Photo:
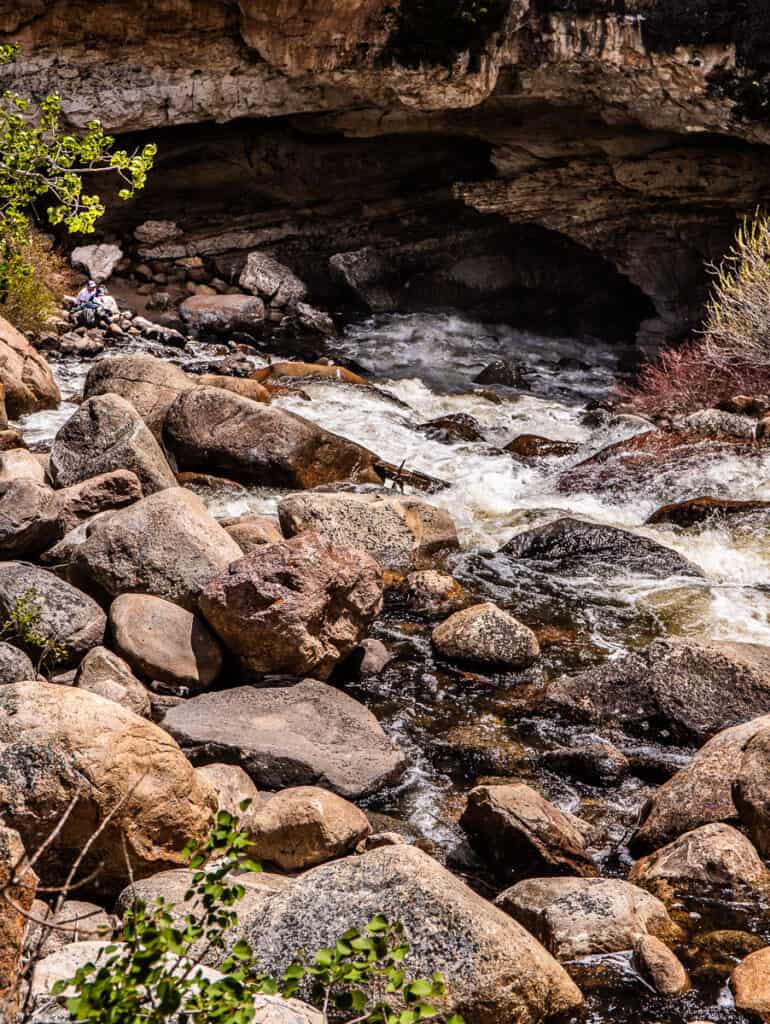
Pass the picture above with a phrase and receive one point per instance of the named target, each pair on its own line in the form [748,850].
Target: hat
[92,284]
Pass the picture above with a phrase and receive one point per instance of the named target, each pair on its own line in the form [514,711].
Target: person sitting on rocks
[86,293]
[106,302]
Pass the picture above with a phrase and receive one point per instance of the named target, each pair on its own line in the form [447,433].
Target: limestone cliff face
[634,129]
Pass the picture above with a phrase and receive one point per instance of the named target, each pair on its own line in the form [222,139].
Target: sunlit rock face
[632,130]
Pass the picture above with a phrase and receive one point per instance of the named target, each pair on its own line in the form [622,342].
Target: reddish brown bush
[686,379]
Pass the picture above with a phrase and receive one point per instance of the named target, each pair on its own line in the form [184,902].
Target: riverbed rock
[29,518]
[655,960]
[496,973]
[209,428]
[368,275]
[232,787]
[304,826]
[454,427]
[486,635]
[751,789]
[25,375]
[221,314]
[698,510]
[252,531]
[101,493]
[242,386]
[164,642]
[66,616]
[712,855]
[20,464]
[400,533]
[598,762]
[673,689]
[297,607]
[55,740]
[434,594]
[700,793]
[576,547]
[166,545]
[299,370]
[750,982]
[148,383]
[13,911]
[105,673]
[98,261]
[719,423]
[273,734]
[576,917]
[533,446]
[15,665]
[520,833]
[503,372]
[272,281]
[714,955]
[107,433]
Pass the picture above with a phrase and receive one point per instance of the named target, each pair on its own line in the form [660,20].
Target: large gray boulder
[575,917]
[210,429]
[29,518]
[107,433]
[301,735]
[65,616]
[401,533]
[676,688]
[148,383]
[496,972]
[220,314]
[59,741]
[167,545]
[571,546]
[297,607]
[98,261]
[15,665]
[273,282]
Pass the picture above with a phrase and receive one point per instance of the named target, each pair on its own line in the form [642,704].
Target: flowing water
[458,727]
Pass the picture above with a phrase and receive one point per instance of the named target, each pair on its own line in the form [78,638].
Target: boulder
[13,911]
[486,635]
[222,314]
[65,616]
[712,855]
[700,793]
[238,385]
[698,510]
[75,921]
[273,734]
[532,446]
[29,518]
[304,826]
[503,372]
[252,531]
[297,370]
[719,423]
[273,282]
[750,982]
[673,689]
[104,673]
[656,961]
[212,429]
[104,434]
[520,833]
[98,261]
[751,789]
[20,464]
[164,642]
[56,741]
[496,973]
[15,666]
[102,493]
[434,594]
[25,375]
[166,545]
[152,232]
[576,917]
[314,320]
[713,955]
[148,383]
[232,786]
[297,607]
[368,275]
[400,533]
[575,547]
[450,429]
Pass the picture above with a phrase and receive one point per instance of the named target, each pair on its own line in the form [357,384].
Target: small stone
[655,959]
[486,635]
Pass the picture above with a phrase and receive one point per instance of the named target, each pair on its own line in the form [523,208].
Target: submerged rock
[532,446]
[486,635]
[576,917]
[503,372]
[576,547]
[298,607]
[496,973]
[400,533]
[698,510]
[674,689]
[452,428]
[300,735]
[520,833]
